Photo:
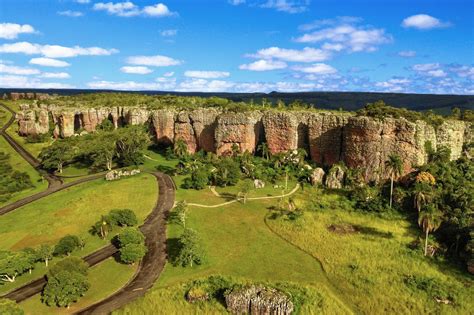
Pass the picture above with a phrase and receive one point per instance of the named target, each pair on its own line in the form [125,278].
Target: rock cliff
[329,137]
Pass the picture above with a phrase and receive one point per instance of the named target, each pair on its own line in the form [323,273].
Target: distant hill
[327,100]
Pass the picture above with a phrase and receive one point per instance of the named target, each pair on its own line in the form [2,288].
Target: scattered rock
[342,228]
[335,177]
[317,176]
[258,300]
[259,183]
[114,175]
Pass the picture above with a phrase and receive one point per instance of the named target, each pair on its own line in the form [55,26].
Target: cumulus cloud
[155,61]
[54,75]
[344,33]
[424,22]
[429,69]
[5,68]
[236,2]
[128,9]
[136,70]
[83,1]
[49,62]
[264,65]
[407,53]
[317,68]
[54,51]
[288,6]
[168,33]
[394,85]
[12,30]
[16,81]
[306,54]
[70,13]
[206,74]
[168,74]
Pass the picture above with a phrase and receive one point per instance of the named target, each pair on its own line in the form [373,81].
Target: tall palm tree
[429,219]
[422,194]
[393,166]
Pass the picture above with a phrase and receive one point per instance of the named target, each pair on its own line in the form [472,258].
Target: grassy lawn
[18,163]
[239,244]
[105,279]
[370,266]
[73,211]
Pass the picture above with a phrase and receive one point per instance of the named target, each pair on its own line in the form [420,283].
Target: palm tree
[429,219]
[264,150]
[180,149]
[393,166]
[422,194]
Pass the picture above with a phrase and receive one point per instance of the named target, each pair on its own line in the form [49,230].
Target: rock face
[335,178]
[258,300]
[359,142]
[317,176]
[28,96]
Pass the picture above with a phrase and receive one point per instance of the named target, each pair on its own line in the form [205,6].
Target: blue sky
[421,46]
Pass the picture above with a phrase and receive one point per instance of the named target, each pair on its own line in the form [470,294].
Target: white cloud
[54,51]
[70,13]
[407,53]
[155,61]
[202,85]
[136,70]
[83,1]
[327,22]
[394,85]
[157,10]
[15,81]
[54,75]
[426,67]
[12,30]
[128,9]
[168,33]
[236,2]
[4,68]
[49,62]
[206,74]
[436,73]
[168,74]
[307,54]
[288,6]
[345,33]
[423,22]
[317,68]
[264,65]
[462,71]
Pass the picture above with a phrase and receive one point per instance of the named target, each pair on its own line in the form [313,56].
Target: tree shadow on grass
[172,249]
[228,196]
[166,169]
[372,231]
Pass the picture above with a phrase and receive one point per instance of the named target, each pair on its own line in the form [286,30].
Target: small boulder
[259,183]
[317,176]
[112,175]
[335,177]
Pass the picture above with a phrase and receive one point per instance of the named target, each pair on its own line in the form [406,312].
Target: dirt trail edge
[154,261]
[149,269]
[53,181]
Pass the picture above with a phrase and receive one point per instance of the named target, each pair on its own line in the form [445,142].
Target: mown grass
[73,211]
[370,267]
[104,279]
[237,243]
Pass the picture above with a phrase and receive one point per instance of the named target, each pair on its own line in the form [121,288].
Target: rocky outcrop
[26,96]
[359,142]
[281,131]
[335,178]
[241,129]
[258,300]
[317,176]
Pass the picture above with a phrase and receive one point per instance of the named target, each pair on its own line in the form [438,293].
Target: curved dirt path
[154,229]
[250,198]
[53,180]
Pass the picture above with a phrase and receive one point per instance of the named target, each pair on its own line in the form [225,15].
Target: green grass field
[105,279]
[73,211]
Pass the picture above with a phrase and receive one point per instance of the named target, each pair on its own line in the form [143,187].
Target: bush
[67,245]
[132,253]
[130,236]
[123,217]
[9,307]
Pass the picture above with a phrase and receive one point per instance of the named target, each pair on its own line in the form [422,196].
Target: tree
[394,167]
[67,245]
[422,194]
[13,264]
[30,256]
[60,152]
[131,141]
[102,227]
[9,307]
[123,217]
[429,219]
[199,179]
[245,190]
[189,251]
[180,149]
[69,264]
[227,172]
[264,150]
[181,213]
[65,288]
[45,253]
[130,236]
[103,151]
[132,253]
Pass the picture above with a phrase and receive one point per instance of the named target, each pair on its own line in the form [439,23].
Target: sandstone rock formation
[335,177]
[317,176]
[258,300]
[359,142]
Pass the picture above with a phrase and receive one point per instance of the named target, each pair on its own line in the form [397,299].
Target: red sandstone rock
[281,131]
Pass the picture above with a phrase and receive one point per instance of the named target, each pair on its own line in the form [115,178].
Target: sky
[406,46]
